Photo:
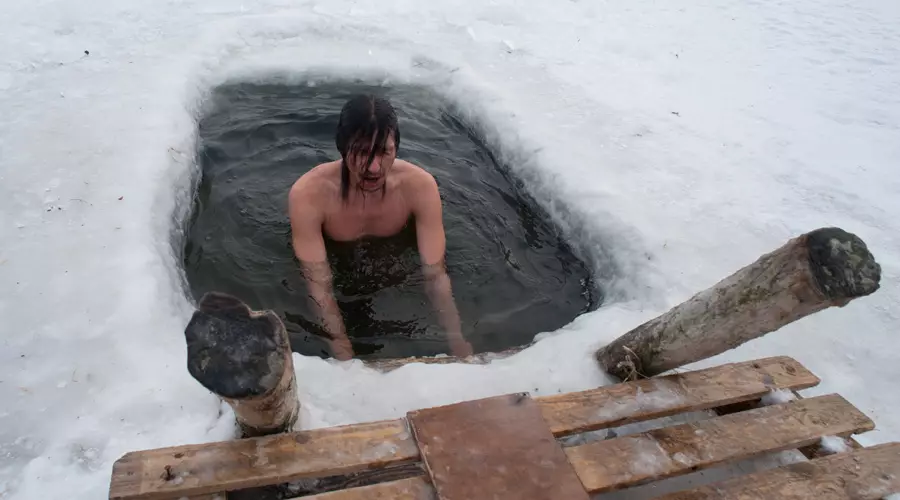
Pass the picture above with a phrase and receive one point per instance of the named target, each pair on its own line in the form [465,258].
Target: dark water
[513,275]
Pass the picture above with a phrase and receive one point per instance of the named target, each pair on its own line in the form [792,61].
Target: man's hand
[459,346]
[342,349]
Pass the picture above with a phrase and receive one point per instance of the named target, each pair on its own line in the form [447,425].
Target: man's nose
[375,166]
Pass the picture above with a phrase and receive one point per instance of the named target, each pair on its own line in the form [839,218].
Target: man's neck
[358,197]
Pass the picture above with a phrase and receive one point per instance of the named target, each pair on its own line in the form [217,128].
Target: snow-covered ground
[679,140]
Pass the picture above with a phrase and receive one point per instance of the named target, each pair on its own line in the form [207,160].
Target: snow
[835,444]
[677,142]
[777,396]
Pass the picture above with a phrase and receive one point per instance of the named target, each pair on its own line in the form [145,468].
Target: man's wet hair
[365,124]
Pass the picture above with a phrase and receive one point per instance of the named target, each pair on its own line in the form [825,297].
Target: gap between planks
[193,470]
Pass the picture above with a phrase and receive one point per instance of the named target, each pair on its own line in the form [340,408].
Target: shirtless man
[369,192]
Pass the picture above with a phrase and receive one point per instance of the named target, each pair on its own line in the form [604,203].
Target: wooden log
[244,357]
[865,474]
[826,267]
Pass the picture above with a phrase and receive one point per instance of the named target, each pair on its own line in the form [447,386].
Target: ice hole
[513,273]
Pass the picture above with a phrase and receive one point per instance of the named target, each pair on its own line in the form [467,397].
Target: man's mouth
[370,182]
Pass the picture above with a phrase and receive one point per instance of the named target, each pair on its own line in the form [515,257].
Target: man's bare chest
[348,223]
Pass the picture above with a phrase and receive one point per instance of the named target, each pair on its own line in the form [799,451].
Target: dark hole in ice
[513,273]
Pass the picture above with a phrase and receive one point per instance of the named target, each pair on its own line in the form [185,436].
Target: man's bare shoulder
[414,179]
[318,185]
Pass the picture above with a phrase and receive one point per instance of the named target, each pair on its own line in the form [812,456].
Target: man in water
[369,192]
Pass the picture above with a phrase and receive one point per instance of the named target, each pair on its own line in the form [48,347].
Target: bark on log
[244,357]
[826,267]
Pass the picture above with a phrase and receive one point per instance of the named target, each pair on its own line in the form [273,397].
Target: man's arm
[432,245]
[309,247]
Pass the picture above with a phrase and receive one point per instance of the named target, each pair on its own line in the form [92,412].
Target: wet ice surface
[678,142]
[513,273]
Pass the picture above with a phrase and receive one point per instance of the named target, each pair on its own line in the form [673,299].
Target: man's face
[371,176]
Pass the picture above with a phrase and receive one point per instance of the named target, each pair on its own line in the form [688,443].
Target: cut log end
[244,357]
[233,351]
[842,264]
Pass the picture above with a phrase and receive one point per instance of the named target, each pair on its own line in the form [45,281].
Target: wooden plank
[493,448]
[413,488]
[620,404]
[865,474]
[215,467]
[325,484]
[140,474]
[812,451]
[670,451]
[816,450]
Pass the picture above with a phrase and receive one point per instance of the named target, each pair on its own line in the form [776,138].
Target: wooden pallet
[506,447]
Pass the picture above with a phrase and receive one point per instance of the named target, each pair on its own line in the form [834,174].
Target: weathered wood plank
[493,448]
[325,484]
[414,488]
[670,451]
[215,467]
[565,414]
[816,450]
[620,404]
[865,474]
